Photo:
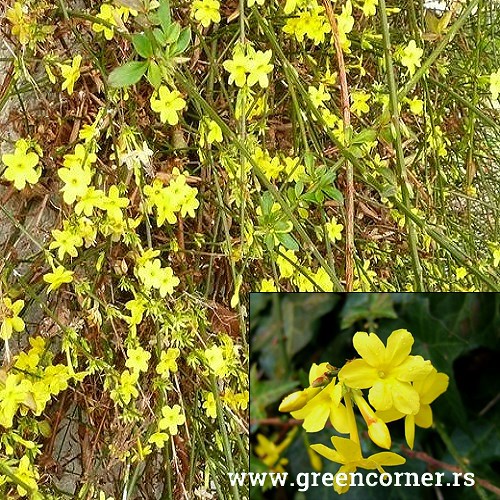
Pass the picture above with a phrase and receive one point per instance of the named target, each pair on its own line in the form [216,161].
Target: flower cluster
[401,386]
[309,21]
[31,382]
[177,197]
[249,66]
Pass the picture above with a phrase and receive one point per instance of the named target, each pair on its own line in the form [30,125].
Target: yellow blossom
[21,165]
[9,317]
[71,73]
[59,276]
[386,370]
[411,56]
[167,103]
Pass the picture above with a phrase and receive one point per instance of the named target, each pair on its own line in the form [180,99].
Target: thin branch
[346,116]
[437,464]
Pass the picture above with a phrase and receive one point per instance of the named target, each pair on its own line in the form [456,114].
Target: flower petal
[424,417]
[433,388]
[390,415]
[339,418]
[348,449]
[369,347]
[406,398]
[398,347]
[358,374]
[380,395]
[414,367]
[316,412]
[387,458]
[326,452]
[410,430]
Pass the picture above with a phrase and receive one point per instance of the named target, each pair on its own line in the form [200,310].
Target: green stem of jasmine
[398,144]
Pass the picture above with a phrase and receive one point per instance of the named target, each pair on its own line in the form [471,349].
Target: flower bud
[379,434]
[293,402]
[377,428]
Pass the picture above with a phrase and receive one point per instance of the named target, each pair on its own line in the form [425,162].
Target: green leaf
[262,394]
[334,194]
[160,37]
[367,306]
[288,241]
[154,74]
[128,74]
[172,33]
[269,241]
[301,313]
[142,45]
[182,42]
[366,135]
[164,16]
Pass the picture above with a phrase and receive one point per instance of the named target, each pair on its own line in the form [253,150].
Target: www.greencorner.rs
[306,480]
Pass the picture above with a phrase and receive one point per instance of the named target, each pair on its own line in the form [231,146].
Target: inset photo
[374,396]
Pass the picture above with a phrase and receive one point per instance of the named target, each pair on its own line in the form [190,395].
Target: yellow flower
[153,275]
[66,242]
[345,22]
[109,14]
[172,418]
[416,106]
[377,429]
[268,285]
[323,406]
[9,316]
[76,181]
[214,132]
[206,11]
[318,95]
[21,165]
[137,359]
[269,452]
[58,277]
[359,100]
[113,203]
[126,388]
[411,56]
[168,362]
[158,438]
[428,388]
[348,453]
[167,103]
[237,67]
[285,263]
[334,230]
[258,67]
[71,73]
[318,402]
[210,405]
[28,474]
[216,362]
[387,371]
[20,27]
[370,7]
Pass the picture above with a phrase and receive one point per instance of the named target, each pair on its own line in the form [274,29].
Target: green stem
[400,159]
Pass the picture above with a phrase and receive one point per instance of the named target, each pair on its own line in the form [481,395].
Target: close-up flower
[387,370]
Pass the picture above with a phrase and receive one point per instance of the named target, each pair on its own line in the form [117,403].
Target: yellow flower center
[381,374]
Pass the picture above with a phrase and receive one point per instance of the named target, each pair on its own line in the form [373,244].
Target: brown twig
[276,421]
[437,464]
[346,116]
